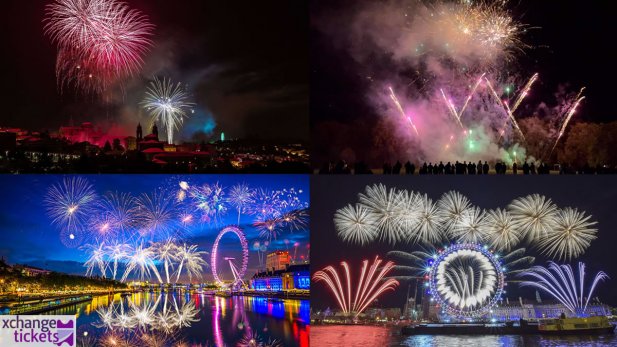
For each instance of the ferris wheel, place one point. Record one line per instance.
(237, 272)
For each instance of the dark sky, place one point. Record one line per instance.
(246, 66)
(594, 195)
(570, 47)
(27, 236)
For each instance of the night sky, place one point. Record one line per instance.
(246, 66)
(594, 195)
(26, 235)
(570, 48)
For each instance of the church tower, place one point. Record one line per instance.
(140, 135)
(155, 131)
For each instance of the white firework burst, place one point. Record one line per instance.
(191, 260)
(69, 203)
(355, 224)
(570, 236)
(385, 205)
(408, 212)
(96, 259)
(452, 205)
(472, 227)
(503, 234)
(534, 215)
(240, 196)
(427, 230)
(167, 103)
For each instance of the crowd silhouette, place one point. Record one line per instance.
(460, 168)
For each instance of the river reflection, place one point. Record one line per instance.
(175, 319)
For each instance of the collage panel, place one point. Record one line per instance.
(462, 87)
(438, 261)
(156, 260)
(153, 86)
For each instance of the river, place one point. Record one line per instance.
(191, 319)
(365, 336)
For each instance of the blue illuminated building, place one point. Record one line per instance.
(293, 277)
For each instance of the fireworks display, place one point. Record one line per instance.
(402, 216)
(445, 81)
(100, 42)
(467, 254)
(168, 104)
(354, 299)
(146, 237)
(560, 282)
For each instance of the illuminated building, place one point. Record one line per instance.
(296, 277)
(278, 260)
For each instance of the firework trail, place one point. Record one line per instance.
(506, 108)
(451, 108)
(568, 117)
(400, 109)
(459, 114)
(168, 104)
(121, 209)
(99, 42)
(70, 203)
(524, 92)
(561, 284)
(372, 284)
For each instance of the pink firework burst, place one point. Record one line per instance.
(100, 42)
